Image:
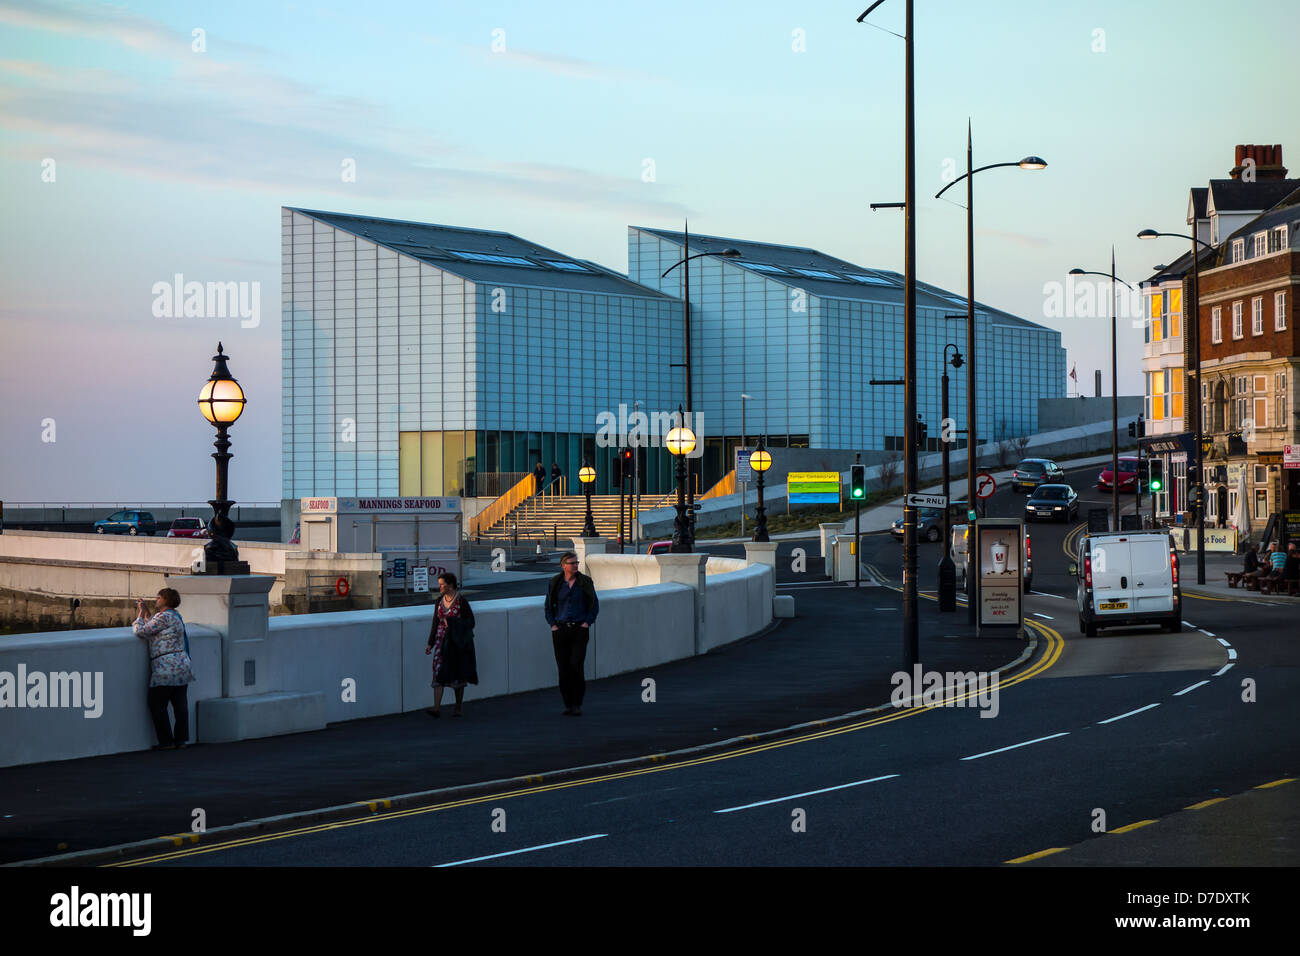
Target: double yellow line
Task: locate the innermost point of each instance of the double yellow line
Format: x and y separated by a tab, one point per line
1052	653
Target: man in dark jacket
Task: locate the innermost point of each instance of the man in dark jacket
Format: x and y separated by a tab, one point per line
539	477
571	608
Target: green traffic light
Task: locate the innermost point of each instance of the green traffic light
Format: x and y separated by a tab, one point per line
1157	484
857	493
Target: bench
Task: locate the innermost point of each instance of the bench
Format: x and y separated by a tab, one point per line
1279	586
1234	578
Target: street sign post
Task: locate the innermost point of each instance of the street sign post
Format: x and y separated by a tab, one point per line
985	485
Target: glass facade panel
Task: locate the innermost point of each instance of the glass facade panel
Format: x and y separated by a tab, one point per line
431	483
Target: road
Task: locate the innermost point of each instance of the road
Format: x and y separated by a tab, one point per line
1101	747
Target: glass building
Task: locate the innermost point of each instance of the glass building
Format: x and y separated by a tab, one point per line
804	332
423	359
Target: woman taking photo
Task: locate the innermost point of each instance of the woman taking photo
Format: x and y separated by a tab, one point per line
451	642
169	667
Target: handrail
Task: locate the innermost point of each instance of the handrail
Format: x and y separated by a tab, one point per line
726	486
505	504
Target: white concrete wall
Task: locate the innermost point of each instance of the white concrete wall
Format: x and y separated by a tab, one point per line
263	557
34	735
383	652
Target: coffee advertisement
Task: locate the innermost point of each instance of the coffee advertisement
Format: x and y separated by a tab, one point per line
1000	574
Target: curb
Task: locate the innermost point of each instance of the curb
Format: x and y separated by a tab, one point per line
124	852
1237	594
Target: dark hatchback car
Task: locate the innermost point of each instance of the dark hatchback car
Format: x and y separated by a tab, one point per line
127	522
1032	472
1057	502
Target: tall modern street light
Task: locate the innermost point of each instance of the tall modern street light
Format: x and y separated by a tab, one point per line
947	570
1114	387
686	323
910	622
972	433
1194	329
222	402
680	442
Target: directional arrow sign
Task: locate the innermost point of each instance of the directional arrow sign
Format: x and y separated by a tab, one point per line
928	501
984	485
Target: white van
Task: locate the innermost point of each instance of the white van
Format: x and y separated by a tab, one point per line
1127	578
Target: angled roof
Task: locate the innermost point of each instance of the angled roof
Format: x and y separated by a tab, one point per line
1286	212
1234	195
829	277
1196	203
485	256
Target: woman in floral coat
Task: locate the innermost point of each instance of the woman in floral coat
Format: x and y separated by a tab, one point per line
170	669
451	642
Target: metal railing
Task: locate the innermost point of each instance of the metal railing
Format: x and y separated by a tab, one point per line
726	486
518	493
494	484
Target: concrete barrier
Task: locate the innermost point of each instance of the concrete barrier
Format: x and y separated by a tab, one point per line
319	668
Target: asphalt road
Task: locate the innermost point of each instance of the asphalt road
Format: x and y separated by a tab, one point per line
1133	748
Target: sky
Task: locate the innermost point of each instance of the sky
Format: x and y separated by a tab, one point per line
139	141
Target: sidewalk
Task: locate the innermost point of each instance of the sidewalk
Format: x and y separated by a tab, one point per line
1216	583
826	662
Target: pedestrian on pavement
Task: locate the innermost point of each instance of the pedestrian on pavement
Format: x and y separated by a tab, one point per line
571	608
451	642
539	476
170	668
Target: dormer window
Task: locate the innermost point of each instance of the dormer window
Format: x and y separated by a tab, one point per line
1261	244
1238	250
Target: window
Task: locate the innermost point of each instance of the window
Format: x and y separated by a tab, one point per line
564	265
1175	310
1216	326
1238	250
1279	311
1157	325
488	257
1261	474
761	267
869	280
1261	244
816	274
1261	503
1257	315
1236	320
1176	392
1159	395
1261	413
1277	239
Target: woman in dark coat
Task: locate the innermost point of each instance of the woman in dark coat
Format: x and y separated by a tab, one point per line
451	642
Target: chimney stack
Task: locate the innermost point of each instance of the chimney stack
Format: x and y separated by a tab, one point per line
1267	160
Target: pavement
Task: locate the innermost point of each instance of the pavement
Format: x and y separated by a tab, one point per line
1216	583
817	665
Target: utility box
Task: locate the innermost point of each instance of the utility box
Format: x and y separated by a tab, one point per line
410	533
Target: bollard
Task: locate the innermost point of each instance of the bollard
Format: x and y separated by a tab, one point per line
555	535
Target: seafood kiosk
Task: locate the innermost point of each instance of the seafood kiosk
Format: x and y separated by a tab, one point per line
419	538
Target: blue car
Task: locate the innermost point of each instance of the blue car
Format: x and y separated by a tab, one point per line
127	522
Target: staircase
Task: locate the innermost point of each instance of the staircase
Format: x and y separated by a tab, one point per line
562	516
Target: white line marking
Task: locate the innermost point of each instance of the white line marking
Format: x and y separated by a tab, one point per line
1050	595
1205	632
796	796
1232	655
1036	614
1222	641
527	849
1111	720
1188	624
988	753
1193	687
885	609
1222	670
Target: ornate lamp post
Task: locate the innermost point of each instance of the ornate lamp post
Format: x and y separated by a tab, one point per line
760	461
222	402
587	475
947	570
680	442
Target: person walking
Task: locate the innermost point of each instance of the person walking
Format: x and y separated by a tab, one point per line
539	477
170	668
571	608
451	642
555	476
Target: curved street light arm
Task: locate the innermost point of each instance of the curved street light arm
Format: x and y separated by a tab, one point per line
972	173
1152	234
697	255
1104	275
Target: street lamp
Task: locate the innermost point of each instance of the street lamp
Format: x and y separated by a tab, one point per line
972	433
1114	386
947	570
744	486
587	475
760	461
680	442
728	253
1195	356
221	401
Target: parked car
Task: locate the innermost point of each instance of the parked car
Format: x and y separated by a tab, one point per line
127	522
187	528
1058	502
929	522
1126	578
1032	472
1128	474
961	557
659	547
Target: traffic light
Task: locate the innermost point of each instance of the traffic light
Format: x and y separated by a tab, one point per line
616	470
1132	429
1157	483
858	482
921	433
628	465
